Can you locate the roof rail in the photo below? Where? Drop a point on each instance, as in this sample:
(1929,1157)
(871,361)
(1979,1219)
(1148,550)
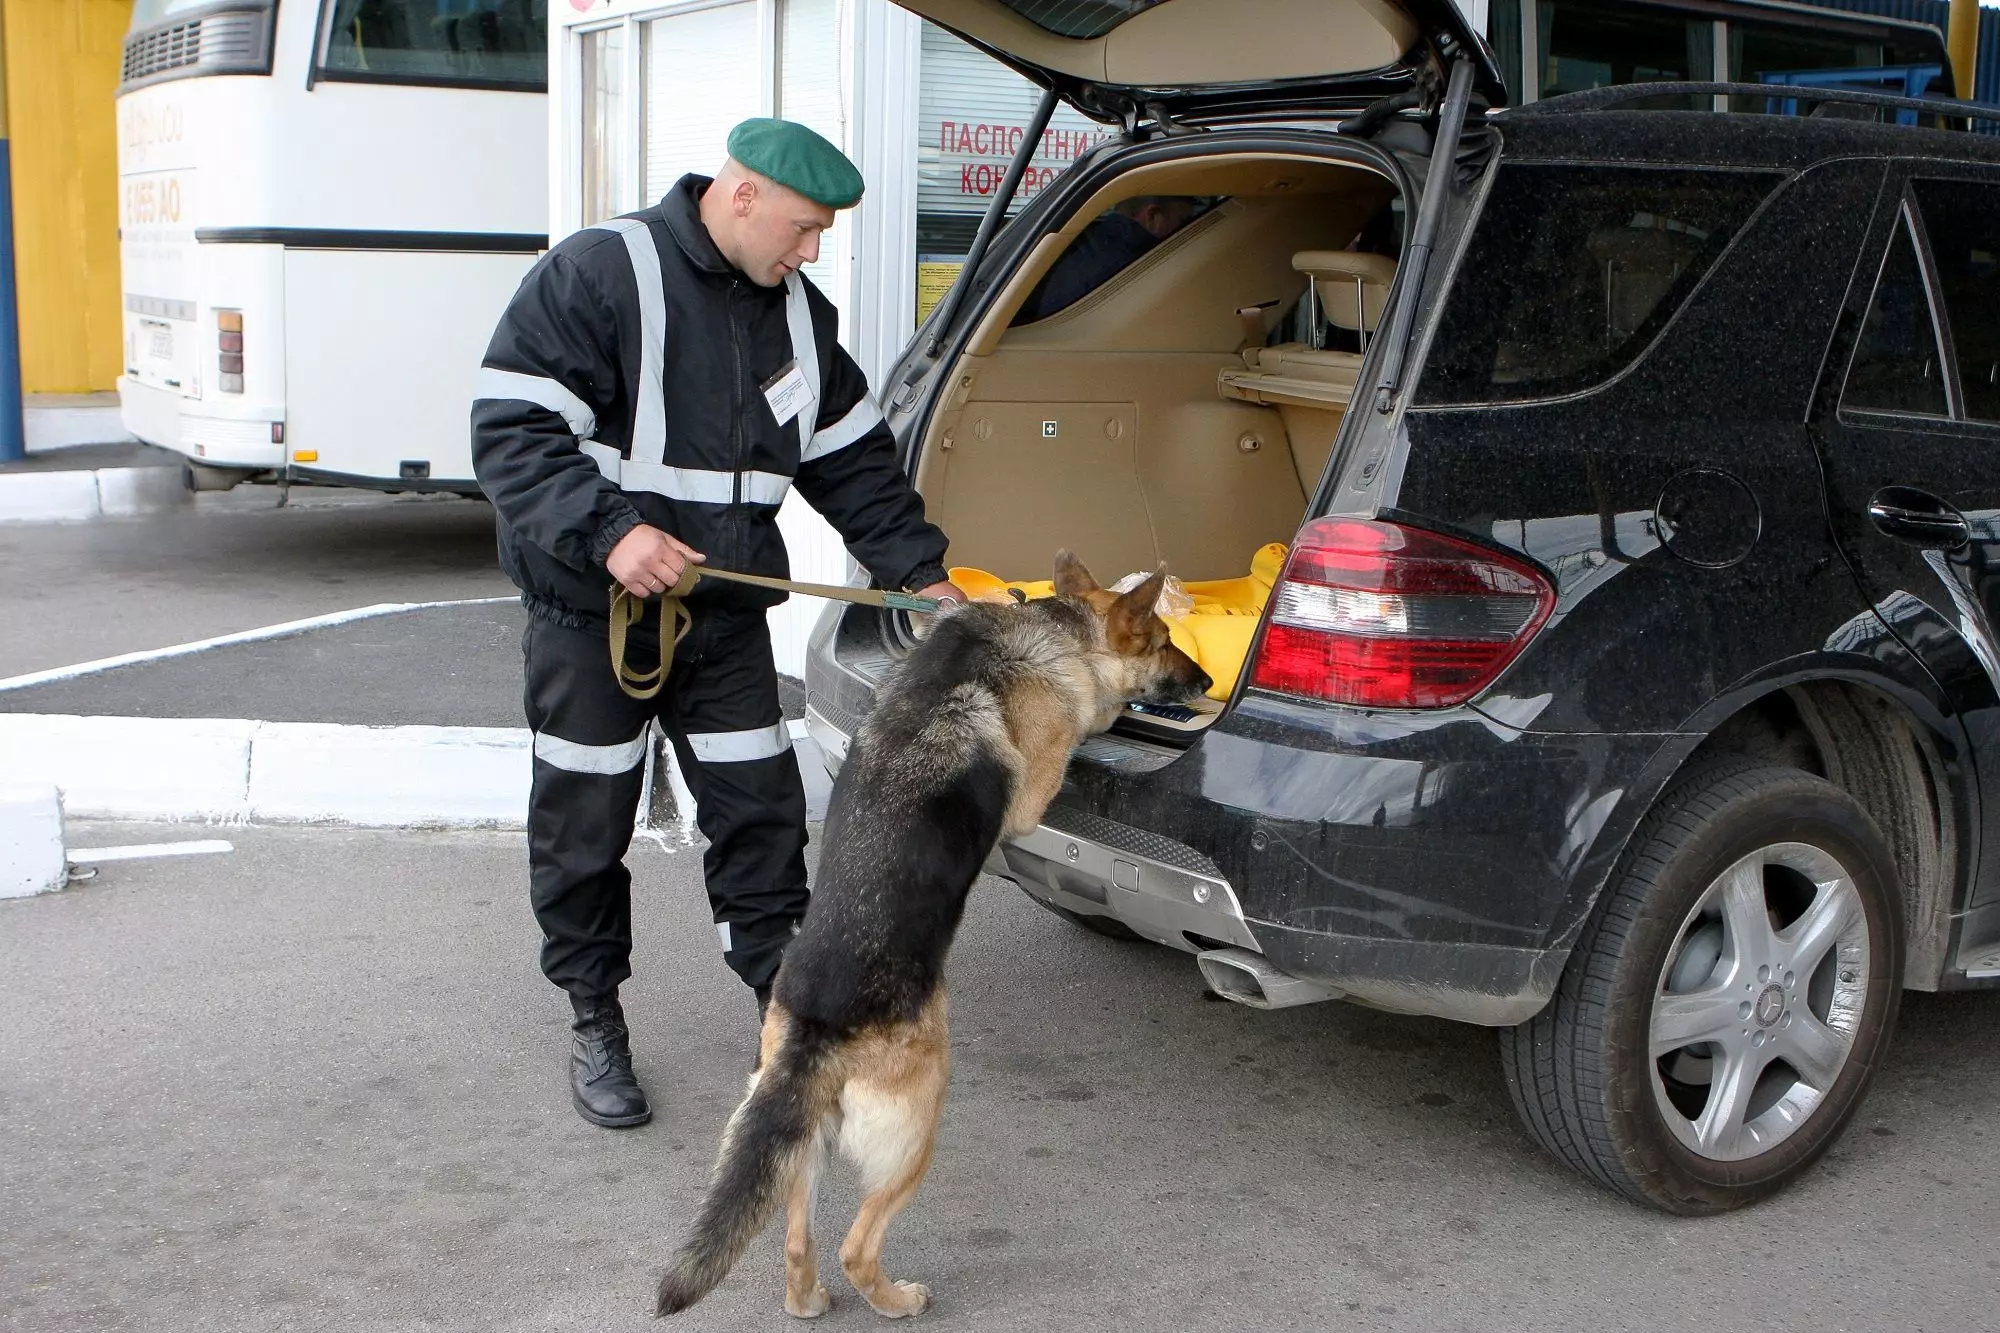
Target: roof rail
(1599,99)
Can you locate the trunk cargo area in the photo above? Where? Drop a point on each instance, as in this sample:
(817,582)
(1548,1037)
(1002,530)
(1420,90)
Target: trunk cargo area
(1180,413)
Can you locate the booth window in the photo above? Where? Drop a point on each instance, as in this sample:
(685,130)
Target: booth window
(605,174)
(972,112)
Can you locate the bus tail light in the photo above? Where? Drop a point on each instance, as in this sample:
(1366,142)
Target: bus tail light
(229,348)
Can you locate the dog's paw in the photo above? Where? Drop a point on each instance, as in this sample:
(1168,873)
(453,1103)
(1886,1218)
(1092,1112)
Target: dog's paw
(812,1307)
(916,1299)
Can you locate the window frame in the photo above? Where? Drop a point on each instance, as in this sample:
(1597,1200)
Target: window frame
(1917,173)
(1524,76)
(1778,180)
(318,71)
(634,21)
(768,21)
(577,113)
(1908,220)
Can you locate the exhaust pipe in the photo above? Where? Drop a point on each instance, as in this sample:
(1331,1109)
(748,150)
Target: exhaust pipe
(1249,978)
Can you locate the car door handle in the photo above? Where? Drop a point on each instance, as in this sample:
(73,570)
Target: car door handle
(1919,518)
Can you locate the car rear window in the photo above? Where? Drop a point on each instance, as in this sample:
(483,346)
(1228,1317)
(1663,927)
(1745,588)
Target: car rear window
(1078,18)
(1574,270)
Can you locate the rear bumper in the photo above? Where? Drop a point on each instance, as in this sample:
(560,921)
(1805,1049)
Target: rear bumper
(1436,864)
(1166,892)
(172,421)
(1092,866)
(1174,895)
(1195,911)
(312,476)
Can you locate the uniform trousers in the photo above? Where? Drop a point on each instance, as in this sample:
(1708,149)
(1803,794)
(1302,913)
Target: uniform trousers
(720,710)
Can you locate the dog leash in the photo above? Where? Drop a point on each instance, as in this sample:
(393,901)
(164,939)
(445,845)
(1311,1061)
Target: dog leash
(626,611)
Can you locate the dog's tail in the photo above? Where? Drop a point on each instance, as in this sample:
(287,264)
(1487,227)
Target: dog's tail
(762,1148)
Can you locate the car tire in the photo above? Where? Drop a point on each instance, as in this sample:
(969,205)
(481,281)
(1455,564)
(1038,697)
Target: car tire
(1758,907)
(1110,927)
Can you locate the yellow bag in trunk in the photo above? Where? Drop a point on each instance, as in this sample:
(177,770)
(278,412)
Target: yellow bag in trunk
(1216,632)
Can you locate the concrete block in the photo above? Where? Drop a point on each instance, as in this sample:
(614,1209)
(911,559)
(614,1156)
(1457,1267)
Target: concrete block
(48,497)
(31,845)
(390,776)
(133,767)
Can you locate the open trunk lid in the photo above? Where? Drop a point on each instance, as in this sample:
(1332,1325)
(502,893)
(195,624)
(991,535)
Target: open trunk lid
(1117,60)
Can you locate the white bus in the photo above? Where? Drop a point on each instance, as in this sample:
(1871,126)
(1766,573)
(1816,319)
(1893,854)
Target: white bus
(325,204)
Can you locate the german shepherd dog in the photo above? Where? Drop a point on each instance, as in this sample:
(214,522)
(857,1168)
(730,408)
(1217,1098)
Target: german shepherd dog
(968,741)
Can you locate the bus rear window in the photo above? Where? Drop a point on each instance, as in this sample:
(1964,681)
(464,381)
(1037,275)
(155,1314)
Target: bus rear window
(1573,271)
(456,43)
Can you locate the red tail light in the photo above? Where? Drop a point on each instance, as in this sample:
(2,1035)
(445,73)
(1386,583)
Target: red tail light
(1384,616)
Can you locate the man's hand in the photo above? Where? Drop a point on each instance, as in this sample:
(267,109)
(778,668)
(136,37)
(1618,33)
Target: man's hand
(648,561)
(945,592)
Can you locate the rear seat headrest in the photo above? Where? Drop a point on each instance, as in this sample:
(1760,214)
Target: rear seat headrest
(1352,286)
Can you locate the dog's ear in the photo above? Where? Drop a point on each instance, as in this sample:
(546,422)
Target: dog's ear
(1132,614)
(1072,579)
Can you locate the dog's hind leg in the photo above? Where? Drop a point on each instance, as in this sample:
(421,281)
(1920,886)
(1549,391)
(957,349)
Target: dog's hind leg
(805,1298)
(861,1252)
(891,1107)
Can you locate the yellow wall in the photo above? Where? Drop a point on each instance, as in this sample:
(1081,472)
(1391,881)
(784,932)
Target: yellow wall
(63,61)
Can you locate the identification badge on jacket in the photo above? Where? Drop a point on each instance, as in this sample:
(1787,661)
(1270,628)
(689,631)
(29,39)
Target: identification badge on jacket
(787,392)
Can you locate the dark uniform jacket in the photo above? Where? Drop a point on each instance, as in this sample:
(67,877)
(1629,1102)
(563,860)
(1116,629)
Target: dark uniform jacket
(624,385)
(1107,247)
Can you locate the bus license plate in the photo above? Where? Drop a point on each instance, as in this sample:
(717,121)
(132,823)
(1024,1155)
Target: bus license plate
(160,342)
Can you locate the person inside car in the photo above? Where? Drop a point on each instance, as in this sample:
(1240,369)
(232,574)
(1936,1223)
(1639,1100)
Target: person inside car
(1106,247)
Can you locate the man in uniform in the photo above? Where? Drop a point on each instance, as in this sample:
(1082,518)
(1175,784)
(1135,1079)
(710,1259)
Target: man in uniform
(655,387)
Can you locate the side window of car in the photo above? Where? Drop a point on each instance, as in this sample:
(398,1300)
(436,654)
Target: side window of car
(1573,271)
(1962,224)
(1897,366)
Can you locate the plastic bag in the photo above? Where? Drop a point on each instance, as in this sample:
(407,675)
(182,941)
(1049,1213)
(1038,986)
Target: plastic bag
(1174,601)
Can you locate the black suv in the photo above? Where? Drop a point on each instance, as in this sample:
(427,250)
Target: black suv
(1631,682)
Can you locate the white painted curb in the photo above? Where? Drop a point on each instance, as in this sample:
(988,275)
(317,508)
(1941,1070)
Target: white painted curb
(280,772)
(314,772)
(80,495)
(31,845)
(136,767)
(285,772)
(228,768)
(48,497)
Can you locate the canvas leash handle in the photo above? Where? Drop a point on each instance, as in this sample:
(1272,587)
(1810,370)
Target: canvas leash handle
(627,610)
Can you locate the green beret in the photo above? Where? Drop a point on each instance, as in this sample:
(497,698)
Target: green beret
(794,156)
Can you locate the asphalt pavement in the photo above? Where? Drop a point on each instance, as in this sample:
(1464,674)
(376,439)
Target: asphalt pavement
(85,457)
(446,666)
(318,1084)
(232,561)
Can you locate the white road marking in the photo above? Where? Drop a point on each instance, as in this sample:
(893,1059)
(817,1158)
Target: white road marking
(279,631)
(90,856)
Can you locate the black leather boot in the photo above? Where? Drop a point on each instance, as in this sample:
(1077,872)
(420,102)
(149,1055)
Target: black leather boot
(600,1065)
